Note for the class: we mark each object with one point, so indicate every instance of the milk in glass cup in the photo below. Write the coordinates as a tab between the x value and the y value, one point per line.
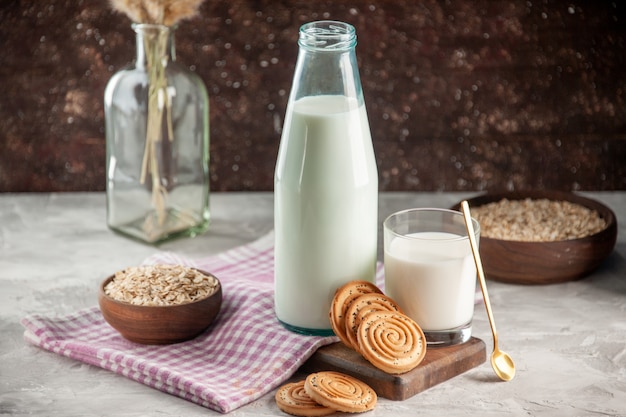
430	271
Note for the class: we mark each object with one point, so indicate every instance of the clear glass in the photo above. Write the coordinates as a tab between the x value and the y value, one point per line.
326	181
157	136
430	271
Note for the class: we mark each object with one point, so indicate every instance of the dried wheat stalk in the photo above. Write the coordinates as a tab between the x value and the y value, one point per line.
157	12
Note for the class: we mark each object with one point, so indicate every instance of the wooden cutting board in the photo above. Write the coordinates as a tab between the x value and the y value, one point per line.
439	365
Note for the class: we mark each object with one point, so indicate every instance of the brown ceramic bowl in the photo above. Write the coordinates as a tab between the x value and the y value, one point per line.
160	325
545	262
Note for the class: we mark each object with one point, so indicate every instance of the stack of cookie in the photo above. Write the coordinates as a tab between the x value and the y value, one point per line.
374	325
325	393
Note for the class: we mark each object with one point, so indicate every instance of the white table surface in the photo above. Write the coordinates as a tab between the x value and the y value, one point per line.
568	340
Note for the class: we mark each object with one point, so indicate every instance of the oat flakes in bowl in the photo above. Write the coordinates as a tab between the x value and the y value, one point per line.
542	237
160	304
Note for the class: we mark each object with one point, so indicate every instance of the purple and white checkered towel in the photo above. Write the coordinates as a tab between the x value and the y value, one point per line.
243	355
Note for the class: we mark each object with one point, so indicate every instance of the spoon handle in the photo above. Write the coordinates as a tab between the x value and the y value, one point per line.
479	268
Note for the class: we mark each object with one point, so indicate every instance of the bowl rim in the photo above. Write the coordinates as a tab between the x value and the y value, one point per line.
103	295
553	195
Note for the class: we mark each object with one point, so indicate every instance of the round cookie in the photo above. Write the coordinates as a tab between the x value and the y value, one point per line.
340	392
342	299
392	342
293	399
360	307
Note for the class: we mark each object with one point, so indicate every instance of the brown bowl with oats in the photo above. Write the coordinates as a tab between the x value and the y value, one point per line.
160	304
542	237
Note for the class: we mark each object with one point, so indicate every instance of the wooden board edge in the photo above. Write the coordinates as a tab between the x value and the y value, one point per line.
439	365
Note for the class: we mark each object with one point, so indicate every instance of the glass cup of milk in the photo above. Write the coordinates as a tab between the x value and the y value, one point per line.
430	271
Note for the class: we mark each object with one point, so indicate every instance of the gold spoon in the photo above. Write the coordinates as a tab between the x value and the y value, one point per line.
501	362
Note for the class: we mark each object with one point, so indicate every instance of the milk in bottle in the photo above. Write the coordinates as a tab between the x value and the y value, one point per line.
326	182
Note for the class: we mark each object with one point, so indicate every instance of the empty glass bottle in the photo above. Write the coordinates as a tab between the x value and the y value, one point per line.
157	136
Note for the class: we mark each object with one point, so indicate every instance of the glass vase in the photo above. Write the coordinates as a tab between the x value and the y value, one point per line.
157	138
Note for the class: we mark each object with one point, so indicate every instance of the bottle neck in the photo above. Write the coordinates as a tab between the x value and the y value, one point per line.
155	45
327	62
326	36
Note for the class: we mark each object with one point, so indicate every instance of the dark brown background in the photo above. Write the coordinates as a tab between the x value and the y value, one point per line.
461	95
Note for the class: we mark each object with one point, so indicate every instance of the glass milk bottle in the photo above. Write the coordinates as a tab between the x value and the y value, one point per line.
326	181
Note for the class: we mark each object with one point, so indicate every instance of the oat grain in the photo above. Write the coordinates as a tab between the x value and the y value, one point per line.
537	220
160	285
